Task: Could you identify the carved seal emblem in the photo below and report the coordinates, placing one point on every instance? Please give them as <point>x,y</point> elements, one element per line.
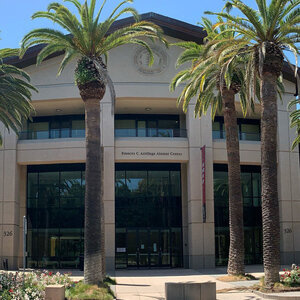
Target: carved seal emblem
<point>142,58</point>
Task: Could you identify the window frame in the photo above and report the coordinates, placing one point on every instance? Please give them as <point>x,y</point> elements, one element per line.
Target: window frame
<point>240,122</point>
<point>148,118</point>
<point>50,120</point>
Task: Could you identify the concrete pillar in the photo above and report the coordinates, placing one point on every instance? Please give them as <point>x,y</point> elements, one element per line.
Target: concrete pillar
<point>201,243</point>
<point>107,140</point>
<point>10,206</point>
<point>209,226</point>
<point>22,201</point>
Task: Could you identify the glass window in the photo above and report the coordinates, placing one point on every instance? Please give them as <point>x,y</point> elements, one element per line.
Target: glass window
<point>152,128</point>
<point>49,189</point>
<point>136,182</point>
<point>158,183</point>
<point>147,125</point>
<point>65,129</point>
<point>175,183</point>
<point>250,132</point>
<point>246,184</point>
<point>248,129</point>
<point>125,128</point>
<point>148,197</point>
<point>70,189</point>
<point>250,177</point>
<point>55,210</point>
<point>54,129</point>
<point>78,128</point>
<point>121,186</point>
<point>38,130</point>
<point>256,184</point>
<point>141,128</point>
<point>149,222</point>
<point>32,187</point>
<point>216,127</point>
<point>48,248</point>
<point>166,127</point>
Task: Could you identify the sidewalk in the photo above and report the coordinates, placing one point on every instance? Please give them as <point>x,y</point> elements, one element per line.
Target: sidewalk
<point>150,284</point>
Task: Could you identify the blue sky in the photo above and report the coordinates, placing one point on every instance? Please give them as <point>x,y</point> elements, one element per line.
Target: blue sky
<point>16,20</point>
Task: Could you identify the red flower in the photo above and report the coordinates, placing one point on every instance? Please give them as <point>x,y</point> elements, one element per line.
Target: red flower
<point>283,269</point>
<point>11,291</point>
<point>50,273</point>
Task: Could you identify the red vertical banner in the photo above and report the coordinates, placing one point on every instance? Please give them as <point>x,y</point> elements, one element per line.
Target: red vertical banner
<point>203,184</point>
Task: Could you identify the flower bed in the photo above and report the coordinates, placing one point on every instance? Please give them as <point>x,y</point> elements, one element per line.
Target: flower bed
<point>31,285</point>
<point>291,277</point>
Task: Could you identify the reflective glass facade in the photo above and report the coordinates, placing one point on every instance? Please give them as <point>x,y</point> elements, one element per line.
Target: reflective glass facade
<point>54,127</point>
<point>249,129</point>
<point>148,126</point>
<point>55,212</point>
<point>148,215</point>
<point>251,187</point>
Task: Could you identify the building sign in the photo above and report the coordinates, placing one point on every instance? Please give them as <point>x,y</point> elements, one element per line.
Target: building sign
<point>147,153</point>
<point>203,184</point>
<point>180,154</point>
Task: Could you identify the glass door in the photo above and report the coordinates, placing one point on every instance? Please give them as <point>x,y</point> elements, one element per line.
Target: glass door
<point>165,257</point>
<point>154,247</point>
<point>143,249</point>
<point>132,253</point>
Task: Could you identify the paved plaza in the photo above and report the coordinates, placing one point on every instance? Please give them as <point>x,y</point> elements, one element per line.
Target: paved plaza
<point>150,284</point>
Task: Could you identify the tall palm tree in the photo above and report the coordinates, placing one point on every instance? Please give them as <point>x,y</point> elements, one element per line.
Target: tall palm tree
<point>295,120</point>
<point>90,39</point>
<point>266,32</point>
<point>15,93</point>
<point>202,79</point>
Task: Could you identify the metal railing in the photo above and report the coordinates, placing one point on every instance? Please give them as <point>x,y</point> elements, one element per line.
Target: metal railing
<point>243,136</point>
<point>123,132</point>
<point>51,134</point>
<point>150,132</point>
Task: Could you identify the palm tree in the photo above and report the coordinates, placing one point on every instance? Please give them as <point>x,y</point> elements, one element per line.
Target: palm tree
<point>295,120</point>
<point>90,40</point>
<point>265,33</point>
<point>202,79</point>
<point>15,93</point>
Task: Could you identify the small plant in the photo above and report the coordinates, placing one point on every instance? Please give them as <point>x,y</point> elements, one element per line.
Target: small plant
<point>29,286</point>
<point>81,290</point>
<point>291,277</point>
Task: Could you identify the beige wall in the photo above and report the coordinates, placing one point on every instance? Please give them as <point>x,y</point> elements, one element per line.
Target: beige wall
<point>135,92</point>
<point>288,183</point>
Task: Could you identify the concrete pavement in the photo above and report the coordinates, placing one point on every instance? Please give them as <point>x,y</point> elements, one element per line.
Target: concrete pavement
<point>150,284</point>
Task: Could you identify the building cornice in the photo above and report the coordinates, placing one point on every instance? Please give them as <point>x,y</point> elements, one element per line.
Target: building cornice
<point>171,27</point>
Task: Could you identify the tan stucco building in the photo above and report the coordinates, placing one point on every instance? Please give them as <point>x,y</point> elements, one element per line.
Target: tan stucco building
<point>153,195</point>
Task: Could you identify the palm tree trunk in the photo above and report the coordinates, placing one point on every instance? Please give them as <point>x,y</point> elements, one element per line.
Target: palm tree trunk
<point>93,236</point>
<point>269,196</point>
<point>236,224</point>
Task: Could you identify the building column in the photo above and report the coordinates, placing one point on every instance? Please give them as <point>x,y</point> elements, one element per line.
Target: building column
<point>107,141</point>
<point>9,202</point>
<point>200,235</point>
<point>185,225</point>
<point>288,187</point>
